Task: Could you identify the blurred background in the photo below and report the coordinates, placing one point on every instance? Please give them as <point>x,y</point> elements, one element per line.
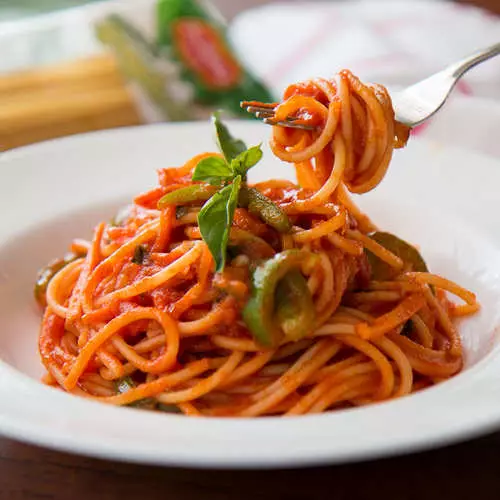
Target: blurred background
<point>12,9</point>
<point>71,66</point>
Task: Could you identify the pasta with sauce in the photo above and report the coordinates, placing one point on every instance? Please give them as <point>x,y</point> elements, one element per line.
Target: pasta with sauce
<point>213,297</point>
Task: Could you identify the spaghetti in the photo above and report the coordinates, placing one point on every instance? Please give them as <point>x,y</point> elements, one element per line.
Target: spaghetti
<point>311,309</point>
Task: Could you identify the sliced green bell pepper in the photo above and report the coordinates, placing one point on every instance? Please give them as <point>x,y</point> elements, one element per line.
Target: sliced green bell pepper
<point>264,208</point>
<point>382,271</point>
<point>294,306</point>
<point>189,194</point>
<point>48,272</point>
<point>124,384</point>
<point>260,314</point>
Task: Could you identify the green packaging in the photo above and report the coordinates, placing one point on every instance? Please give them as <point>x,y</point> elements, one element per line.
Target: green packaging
<point>187,69</point>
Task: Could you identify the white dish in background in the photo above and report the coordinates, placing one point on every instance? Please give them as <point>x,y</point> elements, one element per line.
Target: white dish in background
<point>443,199</point>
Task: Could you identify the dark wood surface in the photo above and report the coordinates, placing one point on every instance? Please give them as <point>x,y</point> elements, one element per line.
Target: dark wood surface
<point>468,471</point>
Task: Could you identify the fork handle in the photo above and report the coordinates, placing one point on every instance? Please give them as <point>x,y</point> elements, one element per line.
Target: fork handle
<point>461,67</point>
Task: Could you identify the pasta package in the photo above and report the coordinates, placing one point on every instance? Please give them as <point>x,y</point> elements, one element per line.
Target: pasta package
<point>180,64</point>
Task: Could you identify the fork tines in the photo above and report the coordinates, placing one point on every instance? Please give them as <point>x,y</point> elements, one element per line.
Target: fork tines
<point>265,112</point>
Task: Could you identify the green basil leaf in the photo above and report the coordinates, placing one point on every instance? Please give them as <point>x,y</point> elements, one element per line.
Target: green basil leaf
<point>215,219</point>
<point>213,170</point>
<point>228,145</point>
<point>246,160</point>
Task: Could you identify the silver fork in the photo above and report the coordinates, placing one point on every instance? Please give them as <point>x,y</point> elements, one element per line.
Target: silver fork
<point>412,106</point>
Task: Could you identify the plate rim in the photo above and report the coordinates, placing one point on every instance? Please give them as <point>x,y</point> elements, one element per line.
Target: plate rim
<point>23,431</point>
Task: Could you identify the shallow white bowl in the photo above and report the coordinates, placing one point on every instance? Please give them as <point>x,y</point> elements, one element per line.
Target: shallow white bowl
<point>443,199</point>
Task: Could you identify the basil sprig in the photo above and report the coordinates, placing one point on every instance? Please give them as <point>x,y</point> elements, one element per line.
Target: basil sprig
<point>215,219</point>
<point>227,144</point>
<point>229,173</point>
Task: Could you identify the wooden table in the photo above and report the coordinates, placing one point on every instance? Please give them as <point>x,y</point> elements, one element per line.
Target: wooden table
<point>466,471</point>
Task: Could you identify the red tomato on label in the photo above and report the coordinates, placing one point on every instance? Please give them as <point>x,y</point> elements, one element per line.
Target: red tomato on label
<point>204,51</point>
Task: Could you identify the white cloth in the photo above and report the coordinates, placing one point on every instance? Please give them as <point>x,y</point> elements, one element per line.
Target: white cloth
<point>394,42</point>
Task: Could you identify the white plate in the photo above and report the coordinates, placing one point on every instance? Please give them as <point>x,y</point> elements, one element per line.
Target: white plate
<point>443,199</point>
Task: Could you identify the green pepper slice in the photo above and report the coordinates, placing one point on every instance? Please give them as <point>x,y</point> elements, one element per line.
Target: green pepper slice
<point>47,273</point>
<point>294,306</point>
<point>259,311</point>
<point>406,252</point>
<point>189,194</point>
<point>264,208</point>
<point>254,247</point>
<point>168,408</point>
<point>124,384</point>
